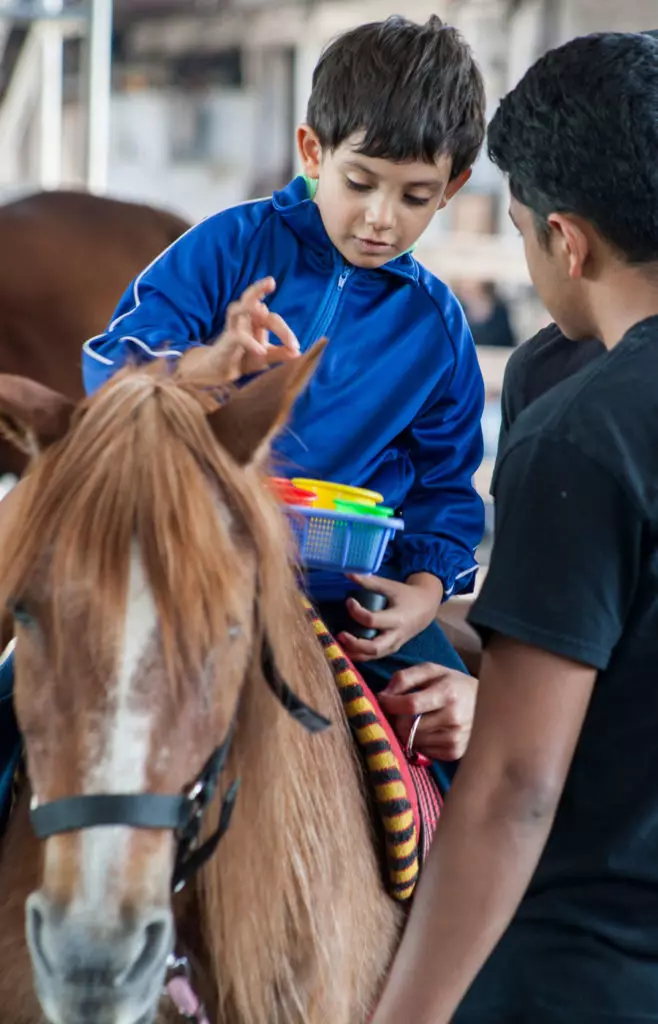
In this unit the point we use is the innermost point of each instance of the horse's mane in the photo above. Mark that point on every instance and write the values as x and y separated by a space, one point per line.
282 905
135 467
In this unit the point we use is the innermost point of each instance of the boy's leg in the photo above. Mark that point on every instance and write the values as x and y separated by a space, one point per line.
430 645
10 741
7 673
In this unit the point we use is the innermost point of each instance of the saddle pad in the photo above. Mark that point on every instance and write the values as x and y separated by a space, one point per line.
405 797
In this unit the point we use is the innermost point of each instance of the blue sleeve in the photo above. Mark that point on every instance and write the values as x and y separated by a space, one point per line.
177 302
443 513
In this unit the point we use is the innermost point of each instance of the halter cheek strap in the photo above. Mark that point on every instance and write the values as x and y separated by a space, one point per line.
182 814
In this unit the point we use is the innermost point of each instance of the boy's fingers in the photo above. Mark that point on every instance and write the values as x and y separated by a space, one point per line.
258 290
381 585
388 618
250 302
243 328
277 326
368 650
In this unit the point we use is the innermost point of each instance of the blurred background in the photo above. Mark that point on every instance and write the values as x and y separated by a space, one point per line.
192 105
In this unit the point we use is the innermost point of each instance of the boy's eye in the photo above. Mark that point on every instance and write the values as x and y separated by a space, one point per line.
357 186
415 201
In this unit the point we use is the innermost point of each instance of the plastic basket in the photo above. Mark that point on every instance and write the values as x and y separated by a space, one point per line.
340 541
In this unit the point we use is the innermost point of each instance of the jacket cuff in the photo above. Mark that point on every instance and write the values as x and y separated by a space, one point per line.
459 579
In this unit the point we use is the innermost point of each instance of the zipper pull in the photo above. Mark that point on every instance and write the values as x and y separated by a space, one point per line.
343 278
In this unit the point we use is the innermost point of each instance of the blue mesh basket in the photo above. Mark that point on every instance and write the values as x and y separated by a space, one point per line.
341 541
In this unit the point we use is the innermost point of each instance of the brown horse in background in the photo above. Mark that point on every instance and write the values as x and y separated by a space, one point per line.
65 260
151 579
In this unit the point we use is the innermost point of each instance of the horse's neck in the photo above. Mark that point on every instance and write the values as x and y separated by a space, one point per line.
300 925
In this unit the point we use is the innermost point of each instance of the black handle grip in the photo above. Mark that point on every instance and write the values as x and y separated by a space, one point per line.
374 603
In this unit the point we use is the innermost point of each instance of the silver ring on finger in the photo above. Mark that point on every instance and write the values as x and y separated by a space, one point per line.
409 751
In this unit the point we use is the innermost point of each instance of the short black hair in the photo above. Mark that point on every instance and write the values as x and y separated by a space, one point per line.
579 134
414 91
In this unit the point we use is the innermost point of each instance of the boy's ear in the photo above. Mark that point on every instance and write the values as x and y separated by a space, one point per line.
310 150
454 186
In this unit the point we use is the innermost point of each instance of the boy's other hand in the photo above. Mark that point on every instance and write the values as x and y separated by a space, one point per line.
244 346
412 606
446 700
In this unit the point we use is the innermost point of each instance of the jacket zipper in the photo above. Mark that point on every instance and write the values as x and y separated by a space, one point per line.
329 306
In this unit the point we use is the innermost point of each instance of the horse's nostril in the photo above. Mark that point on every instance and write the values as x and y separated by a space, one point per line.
36 915
156 946
81 957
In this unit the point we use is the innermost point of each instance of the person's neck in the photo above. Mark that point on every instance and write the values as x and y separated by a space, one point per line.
623 299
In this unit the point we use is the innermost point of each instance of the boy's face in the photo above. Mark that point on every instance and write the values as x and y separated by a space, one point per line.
556 269
373 209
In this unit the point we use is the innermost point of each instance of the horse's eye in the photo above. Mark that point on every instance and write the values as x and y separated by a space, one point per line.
20 613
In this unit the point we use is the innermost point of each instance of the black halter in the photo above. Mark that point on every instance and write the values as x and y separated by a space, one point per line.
183 814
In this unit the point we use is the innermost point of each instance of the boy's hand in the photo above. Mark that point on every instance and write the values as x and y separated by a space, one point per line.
446 700
244 345
412 606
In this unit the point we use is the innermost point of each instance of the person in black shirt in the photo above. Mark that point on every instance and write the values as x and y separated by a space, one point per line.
539 903
445 697
537 366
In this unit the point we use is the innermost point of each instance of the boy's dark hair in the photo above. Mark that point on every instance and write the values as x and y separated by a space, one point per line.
414 91
579 134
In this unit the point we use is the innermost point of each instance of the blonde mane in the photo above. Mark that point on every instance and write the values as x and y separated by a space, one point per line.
295 921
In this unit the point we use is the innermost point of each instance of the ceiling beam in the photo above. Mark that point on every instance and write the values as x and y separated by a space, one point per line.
286 24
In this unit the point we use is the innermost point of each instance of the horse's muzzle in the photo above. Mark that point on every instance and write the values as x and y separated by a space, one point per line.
87 972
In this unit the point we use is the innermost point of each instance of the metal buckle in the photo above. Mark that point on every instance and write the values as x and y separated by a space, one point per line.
177 967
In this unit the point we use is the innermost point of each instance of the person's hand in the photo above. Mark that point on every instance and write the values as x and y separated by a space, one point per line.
412 606
244 346
446 700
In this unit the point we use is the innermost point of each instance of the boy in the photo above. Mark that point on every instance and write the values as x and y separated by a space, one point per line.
540 899
395 122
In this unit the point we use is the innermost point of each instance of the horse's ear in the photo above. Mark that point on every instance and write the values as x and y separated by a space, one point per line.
248 422
31 415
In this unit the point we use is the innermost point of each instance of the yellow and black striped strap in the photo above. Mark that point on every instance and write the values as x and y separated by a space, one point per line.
392 804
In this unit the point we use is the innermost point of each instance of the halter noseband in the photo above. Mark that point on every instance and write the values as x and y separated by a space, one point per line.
183 814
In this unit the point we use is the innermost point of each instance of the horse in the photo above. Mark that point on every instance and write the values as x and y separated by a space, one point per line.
163 647
66 259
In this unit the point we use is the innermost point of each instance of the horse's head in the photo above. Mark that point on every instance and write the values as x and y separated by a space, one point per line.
135 557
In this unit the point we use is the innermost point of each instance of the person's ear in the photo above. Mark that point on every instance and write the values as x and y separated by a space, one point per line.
454 186
310 151
569 242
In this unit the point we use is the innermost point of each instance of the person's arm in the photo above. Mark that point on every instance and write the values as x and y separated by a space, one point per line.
178 302
443 513
552 609
495 824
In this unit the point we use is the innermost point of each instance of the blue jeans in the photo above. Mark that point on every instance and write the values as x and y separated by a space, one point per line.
10 739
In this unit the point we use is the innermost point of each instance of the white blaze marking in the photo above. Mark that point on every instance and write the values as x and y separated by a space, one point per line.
119 754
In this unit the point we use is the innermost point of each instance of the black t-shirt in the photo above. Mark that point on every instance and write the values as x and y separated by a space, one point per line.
538 365
575 572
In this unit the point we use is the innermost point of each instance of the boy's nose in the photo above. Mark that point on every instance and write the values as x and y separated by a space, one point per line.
380 215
